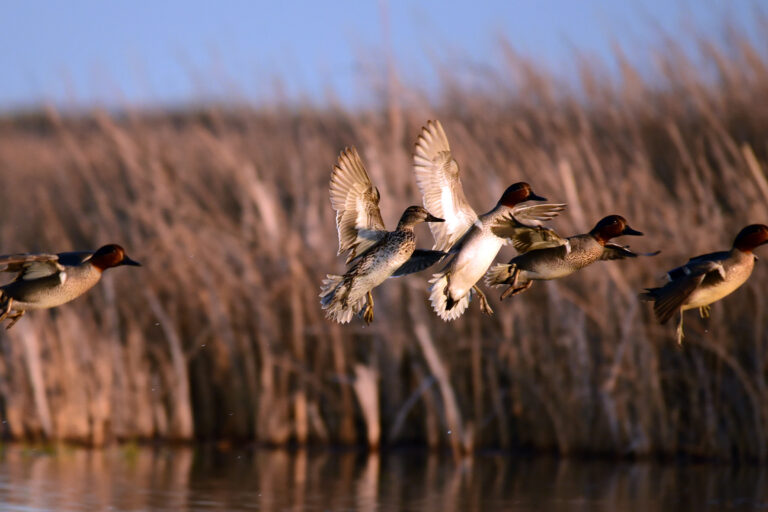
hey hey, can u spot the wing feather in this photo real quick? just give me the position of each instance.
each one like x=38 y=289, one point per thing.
x=536 y=214
x=669 y=298
x=437 y=175
x=30 y=266
x=419 y=260
x=356 y=201
x=525 y=239
x=613 y=251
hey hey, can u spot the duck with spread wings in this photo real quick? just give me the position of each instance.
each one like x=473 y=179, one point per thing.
x=472 y=240
x=375 y=254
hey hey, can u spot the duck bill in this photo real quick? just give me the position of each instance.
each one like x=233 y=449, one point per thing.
x=535 y=197
x=432 y=218
x=129 y=261
x=629 y=231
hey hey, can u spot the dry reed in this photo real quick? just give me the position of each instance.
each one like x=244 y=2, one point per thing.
x=220 y=334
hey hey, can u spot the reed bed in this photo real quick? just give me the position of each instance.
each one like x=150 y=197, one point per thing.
x=220 y=335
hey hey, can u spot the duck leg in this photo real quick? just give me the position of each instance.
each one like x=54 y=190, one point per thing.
x=368 y=311
x=512 y=285
x=15 y=317
x=704 y=311
x=511 y=291
x=484 y=306
x=5 y=304
x=680 y=329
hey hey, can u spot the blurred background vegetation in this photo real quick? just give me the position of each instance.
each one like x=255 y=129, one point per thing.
x=220 y=335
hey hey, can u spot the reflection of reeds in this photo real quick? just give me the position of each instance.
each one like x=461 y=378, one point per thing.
x=186 y=479
x=220 y=334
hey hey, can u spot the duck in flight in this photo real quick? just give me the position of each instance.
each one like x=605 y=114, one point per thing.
x=472 y=240
x=575 y=253
x=49 y=280
x=707 y=278
x=375 y=254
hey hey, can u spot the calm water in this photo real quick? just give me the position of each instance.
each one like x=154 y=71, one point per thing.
x=206 y=479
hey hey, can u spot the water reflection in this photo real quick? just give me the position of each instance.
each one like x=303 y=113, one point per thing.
x=209 y=479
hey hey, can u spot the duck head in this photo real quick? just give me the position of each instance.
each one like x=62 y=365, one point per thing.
x=517 y=193
x=611 y=227
x=750 y=237
x=415 y=214
x=111 y=255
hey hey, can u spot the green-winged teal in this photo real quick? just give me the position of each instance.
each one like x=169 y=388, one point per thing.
x=707 y=278
x=577 y=252
x=375 y=253
x=474 y=240
x=49 y=280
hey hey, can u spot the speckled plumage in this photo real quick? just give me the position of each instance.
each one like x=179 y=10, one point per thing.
x=344 y=296
x=49 y=280
x=575 y=253
x=347 y=293
x=50 y=291
x=557 y=262
x=374 y=253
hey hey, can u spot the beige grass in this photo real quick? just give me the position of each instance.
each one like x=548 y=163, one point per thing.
x=220 y=334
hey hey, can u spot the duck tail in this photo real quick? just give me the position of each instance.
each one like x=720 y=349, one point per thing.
x=328 y=289
x=499 y=275
x=444 y=305
x=649 y=295
x=665 y=304
x=330 y=300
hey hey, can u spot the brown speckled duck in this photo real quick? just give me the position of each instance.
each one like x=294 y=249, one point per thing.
x=49 y=280
x=375 y=253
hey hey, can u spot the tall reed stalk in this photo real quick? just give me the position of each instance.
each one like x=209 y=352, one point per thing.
x=220 y=335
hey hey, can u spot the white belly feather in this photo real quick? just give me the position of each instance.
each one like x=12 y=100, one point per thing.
x=472 y=262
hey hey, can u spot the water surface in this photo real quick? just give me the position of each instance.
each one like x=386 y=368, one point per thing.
x=205 y=479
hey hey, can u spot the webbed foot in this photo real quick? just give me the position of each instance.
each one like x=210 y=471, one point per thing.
x=484 y=306
x=368 y=311
x=14 y=317
x=512 y=291
x=5 y=307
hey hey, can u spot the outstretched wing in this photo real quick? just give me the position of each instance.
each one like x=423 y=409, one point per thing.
x=437 y=175
x=523 y=225
x=356 y=201
x=31 y=266
x=613 y=251
x=669 y=298
x=526 y=238
x=697 y=263
x=419 y=260
x=536 y=214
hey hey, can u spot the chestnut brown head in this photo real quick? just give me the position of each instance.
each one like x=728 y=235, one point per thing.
x=611 y=227
x=111 y=255
x=518 y=193
x=750 y=237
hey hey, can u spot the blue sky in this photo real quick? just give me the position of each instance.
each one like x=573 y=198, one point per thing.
x=171 y=52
